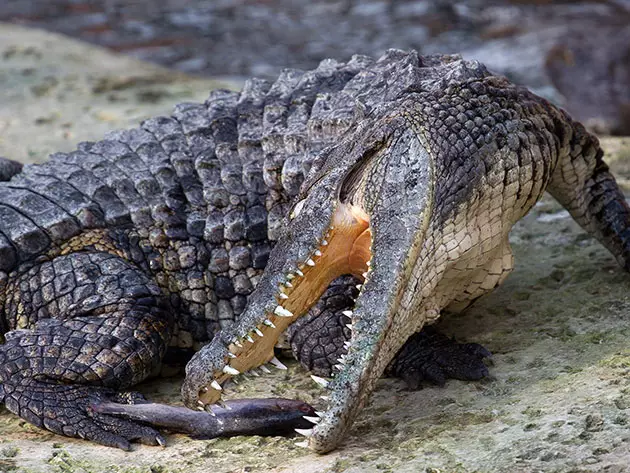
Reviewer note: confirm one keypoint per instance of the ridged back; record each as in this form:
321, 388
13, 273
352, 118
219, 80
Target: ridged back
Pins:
223, 171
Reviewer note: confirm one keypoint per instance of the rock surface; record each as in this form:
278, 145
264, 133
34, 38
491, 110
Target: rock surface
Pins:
583, 43
559, 400
55, 92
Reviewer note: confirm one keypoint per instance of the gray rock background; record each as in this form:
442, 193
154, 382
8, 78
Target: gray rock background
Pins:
559, 399
575, 52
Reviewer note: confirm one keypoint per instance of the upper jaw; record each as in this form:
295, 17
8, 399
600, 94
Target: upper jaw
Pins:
313, 252
293, 255
344, 247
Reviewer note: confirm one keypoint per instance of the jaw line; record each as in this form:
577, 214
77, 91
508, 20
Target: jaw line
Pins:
354, 382
378, 332
343, 249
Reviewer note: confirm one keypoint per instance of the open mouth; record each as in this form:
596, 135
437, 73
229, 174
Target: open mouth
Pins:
367, 218
345, 248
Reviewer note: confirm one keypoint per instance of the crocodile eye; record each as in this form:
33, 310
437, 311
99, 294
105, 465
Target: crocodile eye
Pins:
297, 208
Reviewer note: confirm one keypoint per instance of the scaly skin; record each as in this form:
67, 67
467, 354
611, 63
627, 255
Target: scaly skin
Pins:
442, 160
152, 238
157, 236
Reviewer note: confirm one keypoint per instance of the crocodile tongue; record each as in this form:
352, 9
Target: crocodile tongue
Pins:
345, 249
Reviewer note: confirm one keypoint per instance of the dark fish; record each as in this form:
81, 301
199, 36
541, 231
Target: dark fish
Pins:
271, 416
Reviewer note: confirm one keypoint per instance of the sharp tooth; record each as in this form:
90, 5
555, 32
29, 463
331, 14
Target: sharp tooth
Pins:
339, 367
282, 312
365, 275
305, 432
231, 355
209, 410
227, 369
346, 344
234, 380
238, 344
320, 414
269, 323
368, 264
258, 332
299, 273
254, 373
204, 389
310, 262
347, 313
317, 253
321, 381
249, 339
290, 276
264, 369
201, 404
216, 385
277, 363
288, 284
283, 296
325, 398
324, 243
359, 286
350, 326
303, 444
312, 420
223, 405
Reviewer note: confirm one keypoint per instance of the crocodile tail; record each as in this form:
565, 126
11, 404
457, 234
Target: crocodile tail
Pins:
583, 184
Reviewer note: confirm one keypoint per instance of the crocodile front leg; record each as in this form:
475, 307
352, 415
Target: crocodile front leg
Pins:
84, 326
431, 356
319, 339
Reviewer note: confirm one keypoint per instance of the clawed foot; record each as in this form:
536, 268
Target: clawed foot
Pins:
433, 357
69, 410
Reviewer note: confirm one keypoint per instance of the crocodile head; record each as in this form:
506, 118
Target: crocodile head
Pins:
363, 210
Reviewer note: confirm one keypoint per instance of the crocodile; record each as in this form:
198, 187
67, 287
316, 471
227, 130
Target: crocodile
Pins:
346, 207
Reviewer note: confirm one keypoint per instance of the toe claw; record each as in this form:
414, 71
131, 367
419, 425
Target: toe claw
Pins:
478, 350
434, 357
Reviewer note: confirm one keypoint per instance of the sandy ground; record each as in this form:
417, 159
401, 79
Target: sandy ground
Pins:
559, 396
55, 92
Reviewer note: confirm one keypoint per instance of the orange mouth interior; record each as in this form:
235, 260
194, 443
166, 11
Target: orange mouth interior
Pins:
345, 249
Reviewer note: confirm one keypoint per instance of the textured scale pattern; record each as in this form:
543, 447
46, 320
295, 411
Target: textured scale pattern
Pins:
156, 237
200, 196
443, 158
